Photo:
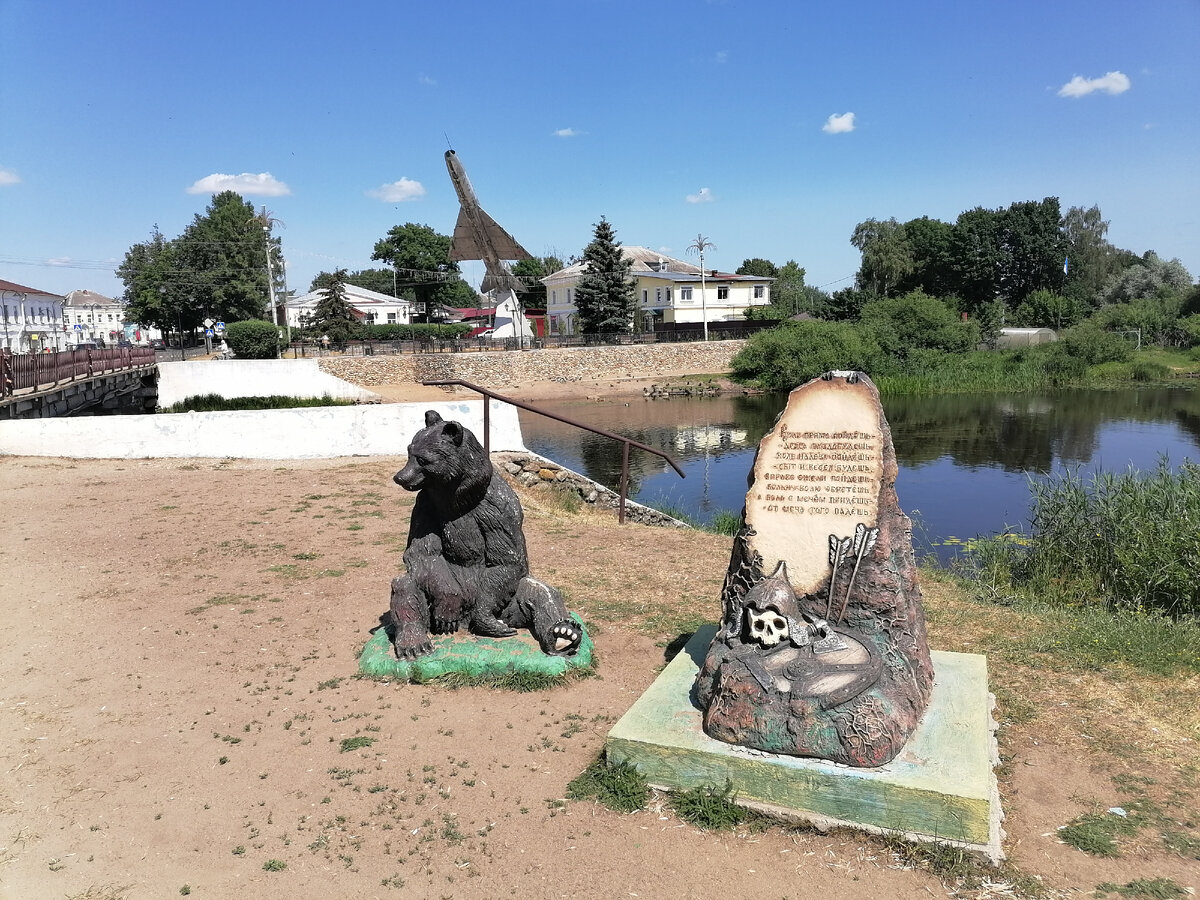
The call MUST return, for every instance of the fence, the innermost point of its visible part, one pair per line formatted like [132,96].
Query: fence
[22,371]
[664,333]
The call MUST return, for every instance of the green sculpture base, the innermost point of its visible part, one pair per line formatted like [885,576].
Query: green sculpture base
[941,787]
[474,658]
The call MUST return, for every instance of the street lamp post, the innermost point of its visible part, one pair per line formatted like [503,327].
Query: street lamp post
[271,291]
[699,245]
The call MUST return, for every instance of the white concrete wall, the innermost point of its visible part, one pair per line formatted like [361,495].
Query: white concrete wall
[310,433]
[251,378]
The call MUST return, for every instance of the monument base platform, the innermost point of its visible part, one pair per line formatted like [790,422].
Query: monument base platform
[941,787]
[473,657]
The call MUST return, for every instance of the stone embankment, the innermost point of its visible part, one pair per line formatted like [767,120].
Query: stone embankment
[497,369]
[537,473]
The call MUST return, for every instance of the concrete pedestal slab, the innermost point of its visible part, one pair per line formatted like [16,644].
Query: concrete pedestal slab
[941,787]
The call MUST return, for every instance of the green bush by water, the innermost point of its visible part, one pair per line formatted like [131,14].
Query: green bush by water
[217,403]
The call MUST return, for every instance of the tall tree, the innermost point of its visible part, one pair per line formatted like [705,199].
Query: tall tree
[1154,277]
[1033,249]
[976,256]
[929,240]
[531,271]
[763,268]
[154,293]
[421,257]
[332,315]
[223,258]
[604,295]
[886,255]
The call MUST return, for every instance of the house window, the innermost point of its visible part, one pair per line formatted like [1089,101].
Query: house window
[658,296]
[668,296]
[391,318]
[723,292]
[645,297]
[554,298]
[685,293]
[568,296]
[759,291]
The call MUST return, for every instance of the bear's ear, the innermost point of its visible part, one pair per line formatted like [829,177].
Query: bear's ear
[454,431]
[431,417]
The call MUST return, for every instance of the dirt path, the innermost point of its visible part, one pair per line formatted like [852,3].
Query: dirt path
[176,684]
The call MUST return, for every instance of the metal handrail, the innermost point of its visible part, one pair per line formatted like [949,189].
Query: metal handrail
[626,442]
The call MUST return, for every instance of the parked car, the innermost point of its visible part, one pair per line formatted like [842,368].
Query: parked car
[85,345]
[157,344]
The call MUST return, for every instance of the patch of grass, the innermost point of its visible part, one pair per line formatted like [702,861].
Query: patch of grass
[725,521]
[357,742]
[714,809]
[1096,833]
[1153,888]
[329,684]
[217,403]
[943,860]
[563,497]
[274,865]
[619,787]
[1186,845]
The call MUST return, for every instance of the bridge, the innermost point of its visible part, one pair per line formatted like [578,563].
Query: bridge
[71,382]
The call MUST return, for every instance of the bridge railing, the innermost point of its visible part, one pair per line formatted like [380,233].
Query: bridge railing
[30,371]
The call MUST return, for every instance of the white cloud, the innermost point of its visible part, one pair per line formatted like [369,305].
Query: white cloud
[1111,83]
[59,261]
[7,176]
[427,80]
[263,184]
[722,56]
[567,132]
[836,124]
[398,191]
[704,195]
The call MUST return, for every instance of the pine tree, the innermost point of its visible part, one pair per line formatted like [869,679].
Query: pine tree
[332,315]
[605,294]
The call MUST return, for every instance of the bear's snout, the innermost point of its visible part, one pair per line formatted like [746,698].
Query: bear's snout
[410,478]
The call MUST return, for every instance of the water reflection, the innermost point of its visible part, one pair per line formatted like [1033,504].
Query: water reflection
[965,460]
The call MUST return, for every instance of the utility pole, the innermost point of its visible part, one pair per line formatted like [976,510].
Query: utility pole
[699,245]
[271,289]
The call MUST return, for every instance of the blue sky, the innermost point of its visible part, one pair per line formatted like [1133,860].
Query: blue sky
[772,128]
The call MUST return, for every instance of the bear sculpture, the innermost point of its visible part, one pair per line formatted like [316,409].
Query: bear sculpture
[466,558]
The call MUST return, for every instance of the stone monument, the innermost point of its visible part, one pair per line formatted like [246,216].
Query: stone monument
[821,651]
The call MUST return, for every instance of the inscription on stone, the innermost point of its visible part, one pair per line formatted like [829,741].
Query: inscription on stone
[818,473]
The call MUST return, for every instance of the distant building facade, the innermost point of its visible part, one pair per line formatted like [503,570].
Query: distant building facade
[667,291]
[32,319]
[370,307]
[94,318]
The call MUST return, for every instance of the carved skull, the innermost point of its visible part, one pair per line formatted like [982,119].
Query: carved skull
[768,628]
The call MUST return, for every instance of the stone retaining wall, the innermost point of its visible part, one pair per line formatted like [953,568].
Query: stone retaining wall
[538,473]
[497,369]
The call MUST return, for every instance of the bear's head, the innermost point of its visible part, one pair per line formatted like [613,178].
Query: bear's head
[444,454]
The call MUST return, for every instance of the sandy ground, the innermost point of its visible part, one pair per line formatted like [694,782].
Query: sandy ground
[177,680]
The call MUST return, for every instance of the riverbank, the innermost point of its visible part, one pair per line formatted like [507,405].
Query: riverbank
[203,727]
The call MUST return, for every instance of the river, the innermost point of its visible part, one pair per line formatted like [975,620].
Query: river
[965,460]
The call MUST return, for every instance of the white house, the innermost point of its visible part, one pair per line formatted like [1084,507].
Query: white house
[371,307]
[668,291]
[89,316]
[32,319]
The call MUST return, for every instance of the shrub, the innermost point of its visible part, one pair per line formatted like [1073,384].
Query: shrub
[253,339]
[918,321]
[1145,370]
[1093,344]
[781,358]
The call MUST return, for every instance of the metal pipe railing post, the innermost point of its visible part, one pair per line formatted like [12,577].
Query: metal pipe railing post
[489,395]
[624,481]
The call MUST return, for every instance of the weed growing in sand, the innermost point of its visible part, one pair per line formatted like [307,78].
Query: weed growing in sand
[714,809]
[620,787]
[274,865]
[1097,832]
[355,743]
[1152,888]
